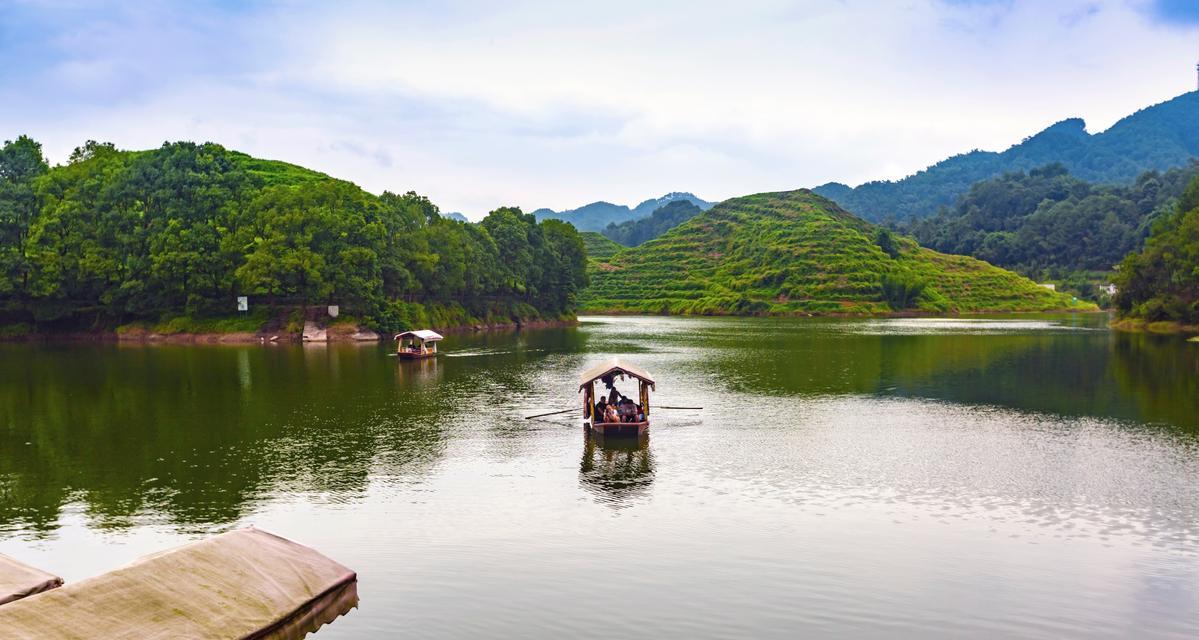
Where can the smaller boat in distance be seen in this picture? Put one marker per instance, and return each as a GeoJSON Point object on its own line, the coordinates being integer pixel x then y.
{"type": "Point", "coordinates": [636, 422]}
{"type": "Point", "coordinates": [417, 344]}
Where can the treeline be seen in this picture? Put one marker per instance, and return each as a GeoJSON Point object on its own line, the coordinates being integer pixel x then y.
{"type": "Point", "coordinates": [1161, 283]}
{"type": "Point", "coordinates": [632, 233]}
{"type": "Point", "coordinates": [1048, 224]}
{"type": "Point", "coordinates": [117, 236]}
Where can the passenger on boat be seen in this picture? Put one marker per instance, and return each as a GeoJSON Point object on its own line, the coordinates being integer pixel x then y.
{"type": "Point", "coordinates": [611, 415]}
{"type": "Point", "coordinates": [601, 408]}
{"type": "Point", "coordinates": [627, 412]}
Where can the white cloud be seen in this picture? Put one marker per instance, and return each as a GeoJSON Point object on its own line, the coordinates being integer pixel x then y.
{"type": "Point", "coordinates": [479, 104]}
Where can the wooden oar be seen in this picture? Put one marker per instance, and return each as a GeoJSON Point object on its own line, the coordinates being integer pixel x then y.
{"type": "Point", "coordinates": [676, 407]}
{"type": "Point", "coordinates": [552, 413]}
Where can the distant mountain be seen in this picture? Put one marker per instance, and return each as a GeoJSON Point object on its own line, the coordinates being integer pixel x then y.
{"type": "Point", "coordinates": [1157, 138]}
{"type": "Point", "coordinates": [454, 215]}
{"type": "Point", "coordinates": [631, 233]}
{"type": "Point", "coordinates": [796, 252]}
{"type": "Point", "coordinates": [597, 215]}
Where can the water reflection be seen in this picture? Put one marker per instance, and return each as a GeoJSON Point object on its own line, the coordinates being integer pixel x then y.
{"type": "Point", "coordinates": [617, 471]}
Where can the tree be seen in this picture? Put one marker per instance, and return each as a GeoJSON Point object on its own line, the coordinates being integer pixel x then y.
{"type": "Point", "coordinates": [21, 163]}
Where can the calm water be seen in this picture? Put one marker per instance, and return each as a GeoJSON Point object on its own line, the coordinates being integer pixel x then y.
{"type": "Point", "coordinates": [1030, 477]}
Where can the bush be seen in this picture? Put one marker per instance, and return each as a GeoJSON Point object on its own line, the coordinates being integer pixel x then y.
{"type": "Point", "coordinates": [901, 290]}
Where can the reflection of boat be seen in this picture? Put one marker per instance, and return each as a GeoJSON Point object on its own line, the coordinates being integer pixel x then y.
{"type": "Point", "coordinates": [616, 470]}
{"type": "Point", "coordinates": [417, 344]}
{"type": "Point", "coordinates": [608, 372]}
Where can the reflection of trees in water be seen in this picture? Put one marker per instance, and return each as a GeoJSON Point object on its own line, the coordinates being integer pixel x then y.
{"type": "Point", "coordinates": [1162, 374]}
{"type": "Point", "coordinates": [194, 434]}
{"type": "Point", "coordinates": [1102, 374]}
{"type": "Point", "coordinates": [616, 471]}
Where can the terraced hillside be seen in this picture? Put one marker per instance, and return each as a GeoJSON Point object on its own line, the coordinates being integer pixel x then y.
{"type": "Point", "coordinates": [796, 252]}
{"type": "Point", "coordinates": [598, 246]}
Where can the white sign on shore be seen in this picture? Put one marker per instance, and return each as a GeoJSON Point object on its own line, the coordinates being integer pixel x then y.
{"type": "Point", "coordinates": [243, 303]}
{"type": "Point", "coordinates": [333, 311]}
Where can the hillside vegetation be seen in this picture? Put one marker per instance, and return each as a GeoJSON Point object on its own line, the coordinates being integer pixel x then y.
{"type": "Point", "coordinates": [1049, 225]}
{"type": "Point", "coordinates": [1157, 138]}
{"type": "Point", "coordinates": [796, 252]}
{"type": "Point", "coordinates": [173, 235]}
{"type": "Point", "coordinates": [635, 232]}
{"type": "Point", "coordinates": [1161, 283]}
{"type": "Point", "coordinates": [598, 247]}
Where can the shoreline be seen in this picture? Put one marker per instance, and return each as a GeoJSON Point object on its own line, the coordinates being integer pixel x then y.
{"type": "Point", "coordinates": [836, 314]}
{"type": "Point", "coordinates": [341, 336]}
{"type": "Point", "coordinates": [1161, 327]}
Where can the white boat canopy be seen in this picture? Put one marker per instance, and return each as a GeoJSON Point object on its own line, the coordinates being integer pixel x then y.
{"type": "Point", "coordinates": [424, 335]}
{"type": "Point", "coordinates": [614, 366]}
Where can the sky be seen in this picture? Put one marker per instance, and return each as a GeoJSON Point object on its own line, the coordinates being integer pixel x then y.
{"type": "Point", "coordinates": [482, 104]}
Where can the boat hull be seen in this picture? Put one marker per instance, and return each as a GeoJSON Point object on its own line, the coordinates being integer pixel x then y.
{"type": "Point", "coordinates": [620, 429]}
{"type": "Point", "coordinates": [403, 355]}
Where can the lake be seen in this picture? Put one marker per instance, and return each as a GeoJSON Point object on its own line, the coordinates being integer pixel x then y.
{"type": "Point", "coordinates": [1019, 476]}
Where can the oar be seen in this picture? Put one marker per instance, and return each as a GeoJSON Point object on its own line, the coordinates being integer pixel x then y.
{"type": "Point", "coordinates": [552, 413]}
{"type": "Point", "coordinates": [676, 407]}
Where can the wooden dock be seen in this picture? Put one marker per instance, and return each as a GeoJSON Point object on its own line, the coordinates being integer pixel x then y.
{"type": "Point", "coordinates": [242, 584]}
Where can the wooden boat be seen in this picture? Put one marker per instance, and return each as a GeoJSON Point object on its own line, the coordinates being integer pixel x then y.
{"type": "Point", "coordinates": [608, 372]}
{"type": "Point", "coordinates": [417, 344]}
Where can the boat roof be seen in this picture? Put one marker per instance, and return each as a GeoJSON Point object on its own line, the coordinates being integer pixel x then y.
{"type": "Point", "coordinates": [614, 365]}
{"type": "Point", "coordinates": [423, 334]}
{"type": "Point", "coordinates": [241, 584]}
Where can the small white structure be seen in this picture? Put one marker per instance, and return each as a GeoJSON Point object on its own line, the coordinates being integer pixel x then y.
{"type": "Point", "coordinates": [1048, 285]}
{"type": "Point", "coordinates": [1109, 289]}
{"type": "Point", "coordinates": [417, 344]}
{"type": "Point", "coordinates": [243, 303]}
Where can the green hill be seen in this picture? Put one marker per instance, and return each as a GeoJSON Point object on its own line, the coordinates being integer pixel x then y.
{"type": "Point", "coordinates": [598, 247]}
{"type": "Point", "coordinates": [1156, 138]}
{"type": "Point", "coordinates": [171, 237]}
{"type": "Point", "coordinates": [796, 252]}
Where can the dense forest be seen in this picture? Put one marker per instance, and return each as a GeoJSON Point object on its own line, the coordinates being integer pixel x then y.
{"type": "Point", "coordinates": [796, 252]}
{"type": "Point", "coordinates": [1156, 138]}
{"type": "Point", "coordinates": [634, 232]}
{"type": "Point", "coordinates": [1048, 224]}
{"type": "Point", "coordinates": [1161, 283]}
{"type": "Point", "coordinates": [116, 236]}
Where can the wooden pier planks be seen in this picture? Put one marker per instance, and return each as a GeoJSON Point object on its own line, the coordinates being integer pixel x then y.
{"type": "Point", "coordinates": [19, 580]}
{"type": "Point", "coordinates": [242, 584]}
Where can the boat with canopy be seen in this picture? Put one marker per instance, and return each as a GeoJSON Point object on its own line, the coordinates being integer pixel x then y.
{"type": "Point", "coordinates": [421, 343]}
{"type": "Point", "coordinates": [608, 373]}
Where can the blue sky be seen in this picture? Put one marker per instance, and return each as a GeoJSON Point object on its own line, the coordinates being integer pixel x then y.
{"type": "Point", "coordinates": [479, 104]}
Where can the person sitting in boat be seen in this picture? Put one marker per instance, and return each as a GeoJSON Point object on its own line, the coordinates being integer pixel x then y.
{"type": "Point", "coordinates": [601, 408]}
{"type": "Point", "coordinates": [627, 412]}
{"type": "Point", "coordinates": [611, 415]}
{"type": "Point", "coordinates": [640, 413]}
